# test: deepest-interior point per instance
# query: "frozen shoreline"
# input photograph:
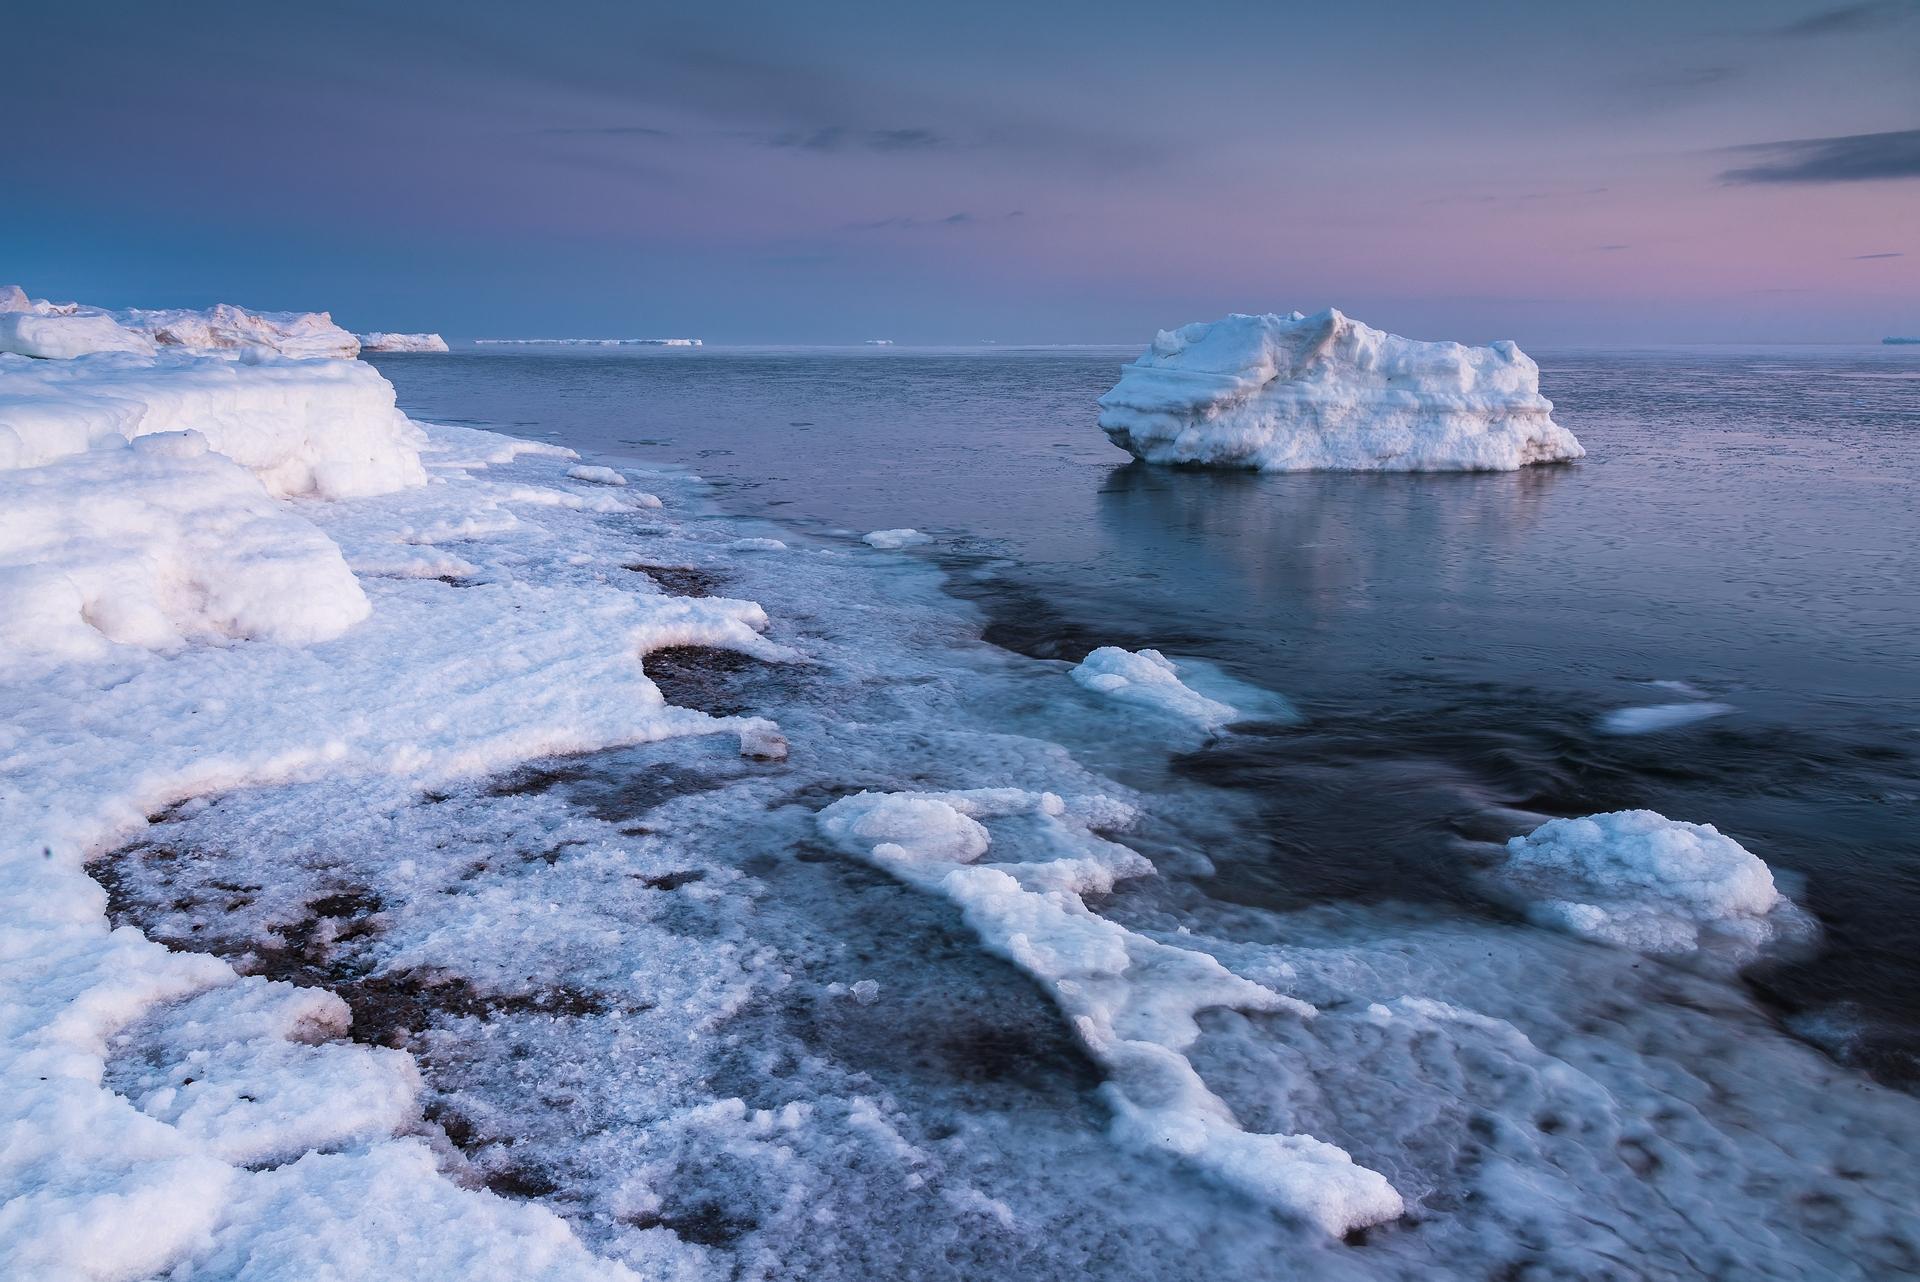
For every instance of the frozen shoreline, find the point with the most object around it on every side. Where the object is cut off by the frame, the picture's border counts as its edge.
(512, 605)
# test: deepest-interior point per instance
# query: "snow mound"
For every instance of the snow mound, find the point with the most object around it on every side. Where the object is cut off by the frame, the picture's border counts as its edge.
(890, 539)
(62, 331)
(329, 429)
(597, 475)
(1149, 678)
(155, 544)
(379, 342)
(1310, 393)
(1638, 880)
(1659, 716)
(1131, 1000)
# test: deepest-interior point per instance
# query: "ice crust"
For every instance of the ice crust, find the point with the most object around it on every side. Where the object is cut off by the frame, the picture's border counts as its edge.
(1638, 880)
(382, 342)
(1131, 1001)
(1325, 392)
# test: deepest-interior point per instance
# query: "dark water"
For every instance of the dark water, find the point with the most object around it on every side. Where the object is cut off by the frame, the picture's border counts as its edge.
(1745, 523)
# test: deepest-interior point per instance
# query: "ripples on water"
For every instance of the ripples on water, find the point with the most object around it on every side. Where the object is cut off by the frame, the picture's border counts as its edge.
(1744, 525)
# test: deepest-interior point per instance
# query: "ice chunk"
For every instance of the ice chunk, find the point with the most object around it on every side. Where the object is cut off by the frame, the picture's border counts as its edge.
(904, 538)
(1148, 678)
(1638, 880)
(63, 331)
(1659, 716)
(379, 342)
(597, 475)
(1132, 1001)
(1305, 393)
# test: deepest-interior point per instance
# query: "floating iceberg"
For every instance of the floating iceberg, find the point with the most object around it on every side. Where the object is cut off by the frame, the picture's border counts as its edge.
(1636, 879)
(379, 342)
(1326, 393)
(894, 539)
(62, 331)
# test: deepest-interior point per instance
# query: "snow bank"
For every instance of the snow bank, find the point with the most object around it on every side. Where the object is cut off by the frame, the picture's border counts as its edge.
(892, 539)
(597, 475)
(328, 429)
(379, 342)
(1148, 678)
(61, 331)
(1131, 1000)
(1638, 880)
(1324, 392)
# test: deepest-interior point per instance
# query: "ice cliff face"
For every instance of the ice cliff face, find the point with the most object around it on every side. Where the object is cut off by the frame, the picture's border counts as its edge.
(1326, 393)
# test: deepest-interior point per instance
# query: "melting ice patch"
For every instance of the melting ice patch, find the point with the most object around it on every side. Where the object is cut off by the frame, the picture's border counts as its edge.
(1638, 880)
(889, 539)
(1660, 716)
(1131, 1000)
(1305, 393)
(1148, 678)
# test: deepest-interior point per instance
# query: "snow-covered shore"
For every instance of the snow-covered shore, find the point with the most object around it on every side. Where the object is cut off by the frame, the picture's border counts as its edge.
(495, 842)
(1326, 393)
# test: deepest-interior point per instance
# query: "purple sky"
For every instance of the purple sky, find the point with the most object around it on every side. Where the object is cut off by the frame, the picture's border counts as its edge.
(1069, 172)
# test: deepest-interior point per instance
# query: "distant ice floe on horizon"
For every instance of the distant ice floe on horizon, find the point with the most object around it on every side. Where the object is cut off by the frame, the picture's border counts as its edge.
(62, 331)
(587, 342)
(382, 342)
(1638, 880)
(893, 539)
(1659, 716)
(1301, 393)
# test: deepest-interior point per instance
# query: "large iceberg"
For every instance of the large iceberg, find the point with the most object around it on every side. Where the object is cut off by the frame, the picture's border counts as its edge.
(62, 331)
(1301, 393)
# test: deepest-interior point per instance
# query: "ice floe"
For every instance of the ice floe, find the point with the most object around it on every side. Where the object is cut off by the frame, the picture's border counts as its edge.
(1325, 392)
(1660, 716)
(891, 539)
(1638, 880)
(1149, 678)
(383, 342)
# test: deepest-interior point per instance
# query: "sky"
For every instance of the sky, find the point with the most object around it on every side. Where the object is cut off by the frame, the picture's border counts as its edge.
(832, 172)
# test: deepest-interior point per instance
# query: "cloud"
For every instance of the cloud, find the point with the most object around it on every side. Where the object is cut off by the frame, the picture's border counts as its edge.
(608, 131)
(832, 138)
(1863, 257)
(1849, 158)
(1846, 19)
(960, 218)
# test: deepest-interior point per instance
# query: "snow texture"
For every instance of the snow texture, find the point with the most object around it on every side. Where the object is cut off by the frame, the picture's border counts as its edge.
(380, 342)
(1636, 879)
(61, 331)
(1326, 393)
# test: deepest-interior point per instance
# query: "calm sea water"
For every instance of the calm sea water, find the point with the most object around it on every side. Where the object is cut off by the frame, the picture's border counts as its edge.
(1745, 524)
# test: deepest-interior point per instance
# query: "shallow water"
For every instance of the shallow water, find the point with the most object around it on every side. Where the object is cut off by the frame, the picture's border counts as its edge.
(1744, 525)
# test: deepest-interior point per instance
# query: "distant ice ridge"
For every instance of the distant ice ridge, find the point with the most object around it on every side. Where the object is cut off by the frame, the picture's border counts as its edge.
(1638, 880)
(1301, 393)
(227, 570)
(1131, 1000)
(379, 342)
(61, 331)
(589, 342)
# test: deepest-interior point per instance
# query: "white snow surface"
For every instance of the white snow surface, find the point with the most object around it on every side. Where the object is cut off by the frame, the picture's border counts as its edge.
(1131, 1001)
(1636, 879)
(175, 626)
(1148, 678)
(383, 342)
(61, 331)
(1326, 392)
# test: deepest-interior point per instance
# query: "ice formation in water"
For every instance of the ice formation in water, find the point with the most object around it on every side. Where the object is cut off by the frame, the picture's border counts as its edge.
(1325, 392)
(1660, 716)
(1149, 678)
(1638, 880)
(892, 539)
(379, 342)
(61, 331)
(1132, 1001)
